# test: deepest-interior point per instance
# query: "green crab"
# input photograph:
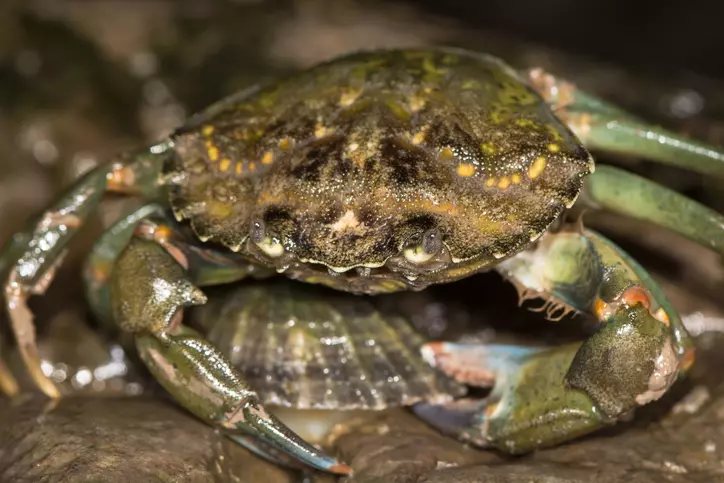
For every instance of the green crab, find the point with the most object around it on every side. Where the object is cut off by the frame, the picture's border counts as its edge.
(380, 172)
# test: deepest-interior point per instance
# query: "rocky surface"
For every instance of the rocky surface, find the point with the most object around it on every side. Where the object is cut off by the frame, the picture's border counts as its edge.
(118, 440)
(145, 439)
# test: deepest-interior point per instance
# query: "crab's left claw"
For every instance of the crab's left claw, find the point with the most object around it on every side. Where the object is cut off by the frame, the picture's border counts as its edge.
(148, 291)
(545, 396)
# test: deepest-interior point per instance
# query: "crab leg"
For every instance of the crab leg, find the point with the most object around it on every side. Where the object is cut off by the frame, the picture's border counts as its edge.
(628, 194)
(192, 370)
(601, 125)
(8, 384)
(28, 262)
(545, 396)
(149, 289)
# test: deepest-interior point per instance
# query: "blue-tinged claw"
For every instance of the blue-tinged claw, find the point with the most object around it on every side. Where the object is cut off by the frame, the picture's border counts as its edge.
(253, 420)
(543, 397)
(476, 364)
(481, 365)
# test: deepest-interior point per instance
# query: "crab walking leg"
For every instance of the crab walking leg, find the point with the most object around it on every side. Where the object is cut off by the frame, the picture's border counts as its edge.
(148, 291)
(617, 190)
(601, 125)
(542, 397)
(28, 262)
(8, 384)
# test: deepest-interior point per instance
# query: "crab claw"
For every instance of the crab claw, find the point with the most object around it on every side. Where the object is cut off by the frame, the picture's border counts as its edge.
(252, 419)
(149, 290)
(206, 383)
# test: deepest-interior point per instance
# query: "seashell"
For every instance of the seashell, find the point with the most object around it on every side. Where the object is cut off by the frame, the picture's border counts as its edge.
(308, 347)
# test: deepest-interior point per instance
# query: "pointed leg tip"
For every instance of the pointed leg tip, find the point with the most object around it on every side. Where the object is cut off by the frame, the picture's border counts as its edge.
(340, 469)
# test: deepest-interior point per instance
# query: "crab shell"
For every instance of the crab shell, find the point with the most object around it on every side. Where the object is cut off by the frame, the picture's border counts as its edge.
(339, 173)
(305, 348)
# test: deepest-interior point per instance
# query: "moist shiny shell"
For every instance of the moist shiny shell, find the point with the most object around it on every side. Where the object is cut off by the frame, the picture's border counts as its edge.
(348, 163)
(306, 348)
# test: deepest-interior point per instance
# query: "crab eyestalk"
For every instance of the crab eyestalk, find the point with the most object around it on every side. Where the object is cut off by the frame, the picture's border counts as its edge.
(148, 291)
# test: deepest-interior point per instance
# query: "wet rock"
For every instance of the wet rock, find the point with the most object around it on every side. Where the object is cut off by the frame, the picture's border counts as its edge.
(679, 439)
(119, 440)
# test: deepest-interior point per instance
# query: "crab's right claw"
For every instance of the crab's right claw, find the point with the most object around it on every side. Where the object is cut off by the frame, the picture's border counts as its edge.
(149, 290)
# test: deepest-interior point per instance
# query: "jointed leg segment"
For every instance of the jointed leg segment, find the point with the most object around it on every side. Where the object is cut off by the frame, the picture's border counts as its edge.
(601, 125)
(28, 262)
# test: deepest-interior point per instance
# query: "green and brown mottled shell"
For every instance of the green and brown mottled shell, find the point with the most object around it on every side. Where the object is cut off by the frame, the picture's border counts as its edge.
(379, 171)
(306, 348)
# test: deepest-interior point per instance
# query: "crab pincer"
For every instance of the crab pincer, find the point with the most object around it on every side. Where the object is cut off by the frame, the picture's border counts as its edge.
(154, 291)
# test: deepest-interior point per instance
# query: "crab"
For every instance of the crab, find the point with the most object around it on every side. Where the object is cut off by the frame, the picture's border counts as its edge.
(379, 172)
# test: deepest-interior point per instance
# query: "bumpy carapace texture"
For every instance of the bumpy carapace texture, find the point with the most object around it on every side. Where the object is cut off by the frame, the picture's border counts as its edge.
(348, 163)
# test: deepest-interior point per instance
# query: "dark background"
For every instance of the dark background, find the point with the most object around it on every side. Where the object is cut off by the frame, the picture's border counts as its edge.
(652, 35)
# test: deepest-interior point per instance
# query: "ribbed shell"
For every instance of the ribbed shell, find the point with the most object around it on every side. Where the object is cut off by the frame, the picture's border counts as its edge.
(311, 348)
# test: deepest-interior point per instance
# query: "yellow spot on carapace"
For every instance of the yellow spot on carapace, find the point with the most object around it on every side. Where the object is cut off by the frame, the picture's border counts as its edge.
(554, 132)
(419, 137)
(537, 167)
(554, 148)
(267, 158)
(490, 182)
(515, 178)
(466, 169)
(239, 167)
(208, 130)
(470, 84)
(320, 131)
(348, 97)
(252, 166)
(498, 116)
(285, 144)
(488, 148)
(446, 154)
(525, 123)
(417, 103)
(224, 164)
(397, 110)
(429, 66)
(213, 152)
(504, 182)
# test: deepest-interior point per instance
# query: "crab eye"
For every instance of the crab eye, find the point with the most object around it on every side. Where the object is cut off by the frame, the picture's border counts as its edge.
(431, 245)
(272, 246)
(257, 231)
